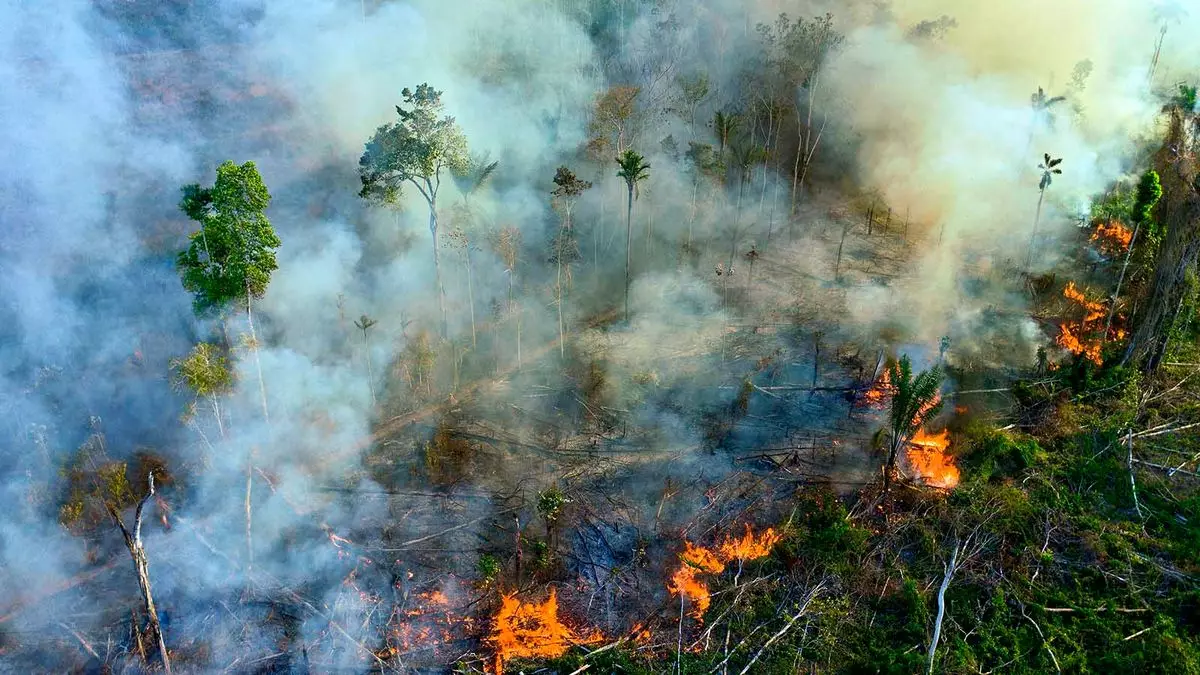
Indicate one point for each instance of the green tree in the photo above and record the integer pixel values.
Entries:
(231, 258)
(567, 189)
(634, 170)
(207, 374)
(1149, 191)
(415, 150)
(915, 400)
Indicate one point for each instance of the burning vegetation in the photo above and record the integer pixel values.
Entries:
(1112, 238)
(686, 581)
(1085, 336)
(523, 630)
(930, 460)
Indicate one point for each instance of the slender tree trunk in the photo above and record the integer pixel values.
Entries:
(262, 390)
(437, 264)
(941, 613)
(470, 291)
(562, 349)
(141, 564)
(1037, 217)
(216, 409)
(628, 247)
(837, 266)
(370, 371)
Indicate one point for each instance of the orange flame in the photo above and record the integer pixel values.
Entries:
(928, 457)
(697, 560)
(1072, 334)
(1113, 237)
(532, 630)
(880, 391)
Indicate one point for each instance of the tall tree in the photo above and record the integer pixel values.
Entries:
(1048, 173)
(567, 189)
(364, 324)
(415, 150)
(230, 259)
(470, 180)
(634, 169)
(507, 244)
(915, 400)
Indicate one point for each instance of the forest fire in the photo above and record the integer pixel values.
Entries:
(698, 560)
(881, 390)
(431, 623)
(1073, 334)
(929, 459)
(532, 630)
(1112, 237)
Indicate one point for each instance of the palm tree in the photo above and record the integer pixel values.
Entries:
(634, 170)
(470, 178)
(1042, 112)
(915, 400)
(364, 324)
(1048, 172)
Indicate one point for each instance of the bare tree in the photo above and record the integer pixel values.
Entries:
(364, 324)
(141, 564)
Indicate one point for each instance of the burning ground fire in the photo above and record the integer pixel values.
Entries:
(1112, 237)
(1073, 335)
(697, 560)
(529, 630)
(929, 459)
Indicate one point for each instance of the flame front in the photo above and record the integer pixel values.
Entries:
(929, 459)
(697, 560)
(531, 630)
(1072, 335)
(880, 391)
(1112, 237)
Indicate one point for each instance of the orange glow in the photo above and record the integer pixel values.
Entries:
(1072, 335)
(749, 547)
(697, 560)
(532, 630)
(1112, 237)
(929, 459)
(880, 391)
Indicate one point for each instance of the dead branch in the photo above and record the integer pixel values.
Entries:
(812, 595)
(405, 545)
(1132, 481)
(1144, 630)
(1043, 636)
(79, 637)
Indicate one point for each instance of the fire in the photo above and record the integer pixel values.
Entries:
(1072, 334)
(697, 560)
(880, 391)
(430, 623)
(1113, 237)
(529, 630)
(749, 547)
(928, 457)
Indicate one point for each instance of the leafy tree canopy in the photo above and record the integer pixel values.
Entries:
(414, 149)
(232, 255)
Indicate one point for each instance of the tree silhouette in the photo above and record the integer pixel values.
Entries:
(634, 170)
(1048, 173)
(914, 401)
(364, 324)
(470, 179)
(567, 188)
(415, 150)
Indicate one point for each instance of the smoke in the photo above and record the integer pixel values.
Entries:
(108, 108)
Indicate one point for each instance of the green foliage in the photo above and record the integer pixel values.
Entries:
(204, 372)
(992, 453)
(1116, 205)
(915, 399)
(1186, 98)
(1149, 191)
(550, 502)
(822, 533)
(414, 149)
(633, 168)
(488, 568)
(232, 255)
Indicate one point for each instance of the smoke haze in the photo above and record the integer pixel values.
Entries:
(109, 107)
